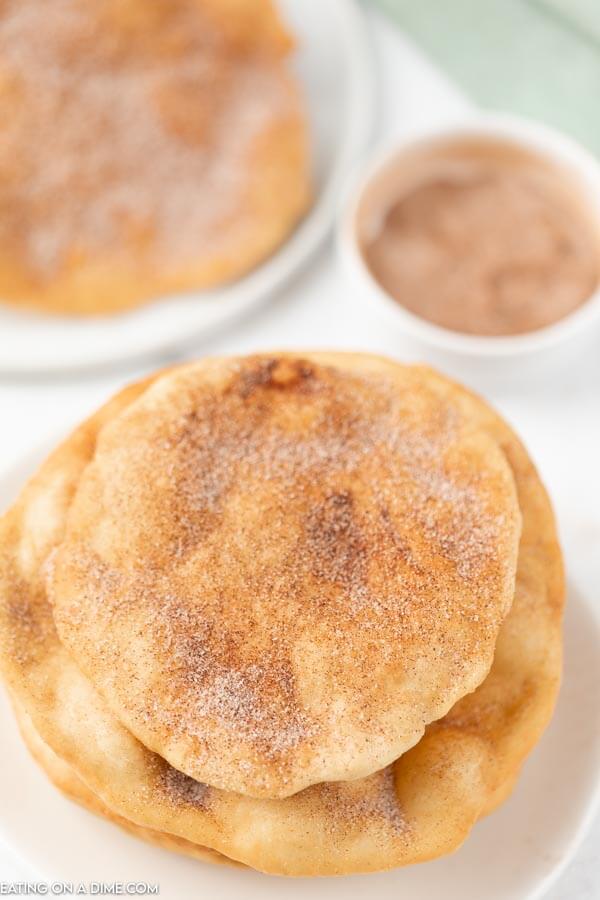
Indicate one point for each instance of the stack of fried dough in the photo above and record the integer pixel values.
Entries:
(298, 612)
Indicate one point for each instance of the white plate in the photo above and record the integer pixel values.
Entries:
(515, 854)
(334, 65)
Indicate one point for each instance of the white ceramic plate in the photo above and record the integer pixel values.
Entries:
(334, 65)
(515, 854)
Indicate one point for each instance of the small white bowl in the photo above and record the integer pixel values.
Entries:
(478, 351)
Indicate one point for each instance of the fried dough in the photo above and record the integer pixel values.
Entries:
(421, 806)
(147, 148)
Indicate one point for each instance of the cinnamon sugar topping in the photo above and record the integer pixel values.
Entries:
(293, 571)
(117, 130)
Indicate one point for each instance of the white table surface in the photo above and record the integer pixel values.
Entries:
(558, 415)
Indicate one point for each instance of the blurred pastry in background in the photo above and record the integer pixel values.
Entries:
(146, 148)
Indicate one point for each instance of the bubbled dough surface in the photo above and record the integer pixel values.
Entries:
(278, 571)
(421, 807)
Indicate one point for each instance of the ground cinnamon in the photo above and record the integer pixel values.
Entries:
(481, 237)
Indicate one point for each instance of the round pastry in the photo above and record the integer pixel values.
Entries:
(68, 783)
(420, 806)
(277, 571)
(146, 148)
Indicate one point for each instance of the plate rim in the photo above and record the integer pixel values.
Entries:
(254, 290)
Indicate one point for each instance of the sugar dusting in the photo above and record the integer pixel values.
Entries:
(31, 625)
(361, 537)
(179, 788)
(356, 805)
(112, 134)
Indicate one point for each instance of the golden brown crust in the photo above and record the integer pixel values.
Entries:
(421, 807)
(179, 159)
(64, 778)
(277, 571)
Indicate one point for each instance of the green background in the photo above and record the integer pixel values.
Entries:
(535, 57)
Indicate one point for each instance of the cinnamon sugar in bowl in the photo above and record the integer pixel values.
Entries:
(482, 239)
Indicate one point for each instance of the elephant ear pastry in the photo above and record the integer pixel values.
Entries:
(278, 571)
(147, 148)
(280, 506)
